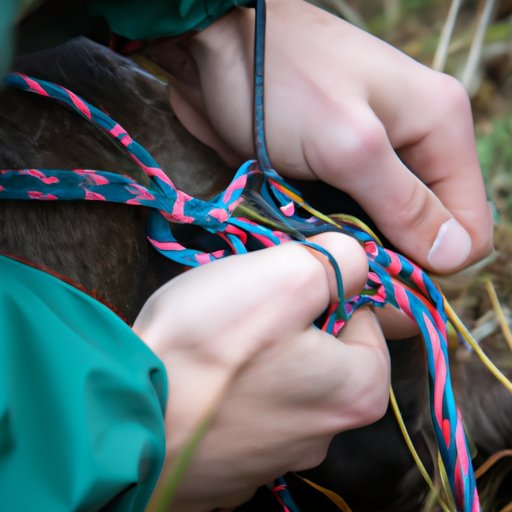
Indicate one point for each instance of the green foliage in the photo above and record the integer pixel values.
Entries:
(494, 145)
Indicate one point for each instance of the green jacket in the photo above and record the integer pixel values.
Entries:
(81, 397)
(82, 400)
(149, 19)
(52, 22)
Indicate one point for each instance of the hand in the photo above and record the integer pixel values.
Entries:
(346, 108)
(245, 323)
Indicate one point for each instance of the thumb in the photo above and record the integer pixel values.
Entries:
(406, 211)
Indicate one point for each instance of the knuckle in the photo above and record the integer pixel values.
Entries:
(316, 284)
(359, 266)
(378, 408)
(452, 97)
(373, 397)
(413, 207)
(369, 396)
(353, 263)
(351, 142)
(351, 258)
(301, 273)
(365, 139)
(314, 457)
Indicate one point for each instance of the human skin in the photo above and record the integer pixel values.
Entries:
(241, 329)
(347, 108)
(291, 387)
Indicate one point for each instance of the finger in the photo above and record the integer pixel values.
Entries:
(445, 159)
(357, 157)
(428, 120)
(185, 95)
(366, 368)
(395, 324)
(344, 380)
(250, 300)
(430, 124)
(350, 258)
(364, 330)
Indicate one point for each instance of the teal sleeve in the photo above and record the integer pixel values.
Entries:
(8, 12)
(81, 401)
(132, 19)
(150, 19)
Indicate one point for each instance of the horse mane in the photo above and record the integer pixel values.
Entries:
(100, 246)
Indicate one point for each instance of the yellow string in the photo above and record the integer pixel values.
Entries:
(349, 219)
(507, 508)
(338, 220)
(498, 310)
(414, 453)
(335, 220)
(444, 481)
(331, 495)
(455, 320)
(489, 463)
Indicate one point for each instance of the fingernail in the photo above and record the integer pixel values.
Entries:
(451, 247)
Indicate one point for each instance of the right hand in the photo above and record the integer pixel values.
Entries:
(245, 324)
(346, 108)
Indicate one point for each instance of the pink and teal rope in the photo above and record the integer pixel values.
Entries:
(392, 278)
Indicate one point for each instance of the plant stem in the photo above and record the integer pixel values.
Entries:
(498, 310)
(468, 76)
(446, 36)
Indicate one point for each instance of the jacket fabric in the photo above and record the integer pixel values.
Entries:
(82, 400)
(81, 396)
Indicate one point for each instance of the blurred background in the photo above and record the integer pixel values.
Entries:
(471, 40)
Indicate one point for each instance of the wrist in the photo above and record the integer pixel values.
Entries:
(227, 34)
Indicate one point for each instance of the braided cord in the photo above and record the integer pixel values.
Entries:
(230, 224)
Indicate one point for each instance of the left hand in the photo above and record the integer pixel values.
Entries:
(241, 329)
